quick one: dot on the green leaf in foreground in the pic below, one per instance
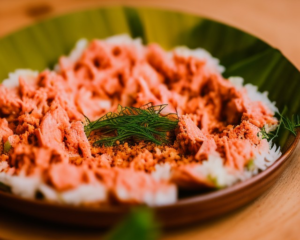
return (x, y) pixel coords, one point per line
(4, 187)
(139, 225)
(146, 123)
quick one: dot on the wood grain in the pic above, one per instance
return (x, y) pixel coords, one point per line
(276, 214)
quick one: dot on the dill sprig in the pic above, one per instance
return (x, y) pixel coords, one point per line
(289, 124)
(270, 136)
(131, 124)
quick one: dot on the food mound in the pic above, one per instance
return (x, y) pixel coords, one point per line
(77, 134)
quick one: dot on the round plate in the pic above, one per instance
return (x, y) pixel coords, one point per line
(40, 45)
(183, 212)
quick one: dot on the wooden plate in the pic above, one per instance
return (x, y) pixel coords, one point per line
(39, 46)
(185, 211)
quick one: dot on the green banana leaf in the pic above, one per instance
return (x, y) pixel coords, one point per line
(39, 46)
(140, 224)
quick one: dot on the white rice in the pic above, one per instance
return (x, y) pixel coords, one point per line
(85, 193)
(162, 172)
(270, 128)
(80, 46)
(103, 104)
(124, 39)
(27, 187)
(212, 63)
(200, 53)
(214, 169)
(263, 160)
(162, 196)
(21, 185)
(253, 93)
(13, 78)
(49, 193)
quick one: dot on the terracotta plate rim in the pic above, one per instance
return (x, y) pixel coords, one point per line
(182, 202)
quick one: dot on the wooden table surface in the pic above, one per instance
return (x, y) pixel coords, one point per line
(276, 214)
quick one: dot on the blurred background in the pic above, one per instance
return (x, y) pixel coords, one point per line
(275, 21)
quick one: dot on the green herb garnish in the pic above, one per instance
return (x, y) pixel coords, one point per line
(250, 165)
(7, 146)
(270, 136)
(131, 124)
(288, 124)
(213, 180)
(4, 187)
(291, 124)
